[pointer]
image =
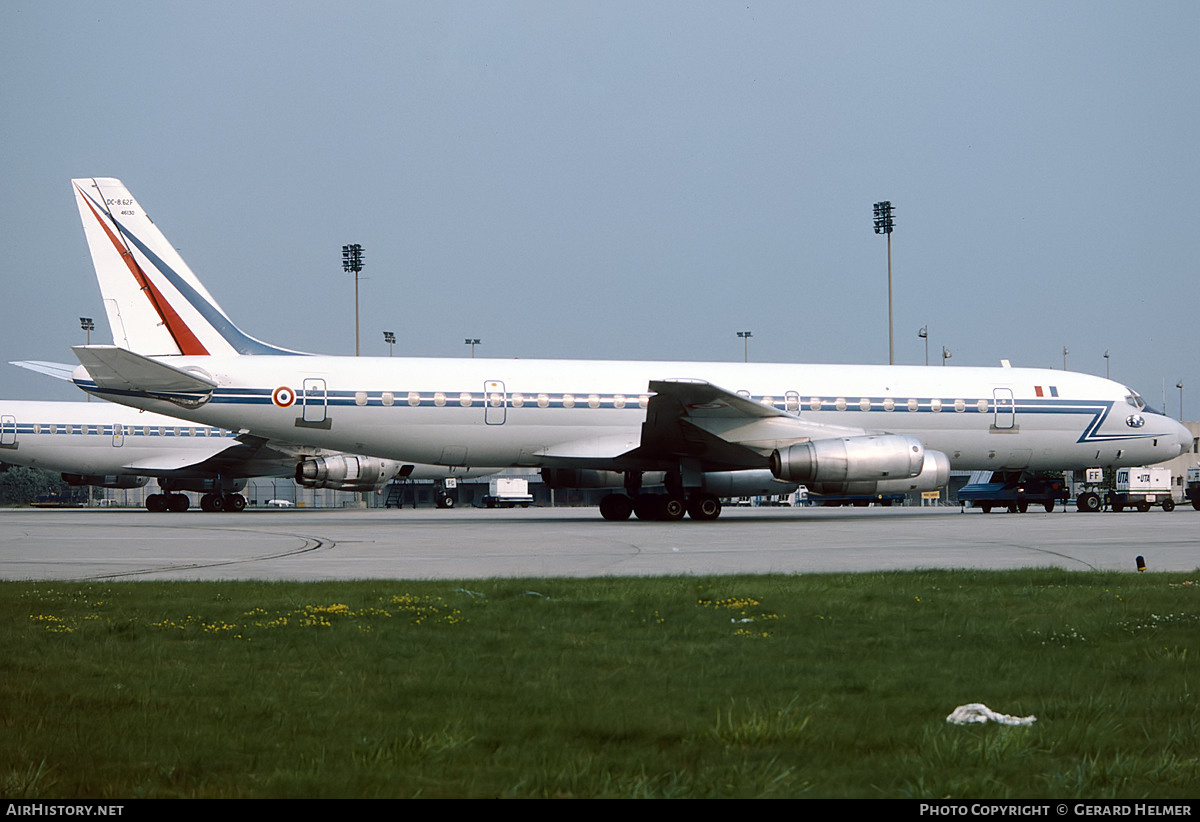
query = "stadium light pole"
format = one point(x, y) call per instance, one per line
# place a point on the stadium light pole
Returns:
point(1106, 374)
point(924, 334)
point(1179, 385)
point(389, 337)
point(472, 342)
point(884, 225)
point(746, 335)
point(1065, 353)
point(352, 261)
point(87, 325)
point(945, 354)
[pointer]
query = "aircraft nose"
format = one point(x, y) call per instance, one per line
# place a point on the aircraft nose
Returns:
point(1183, 437)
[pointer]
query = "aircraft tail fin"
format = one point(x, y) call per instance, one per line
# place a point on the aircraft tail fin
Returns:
point(155, 304)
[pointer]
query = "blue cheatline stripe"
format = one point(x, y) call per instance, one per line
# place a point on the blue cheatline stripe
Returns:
point(1099, 409)
point(92, 430)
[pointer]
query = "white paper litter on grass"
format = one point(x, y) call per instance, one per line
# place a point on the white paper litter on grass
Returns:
point(978, 712)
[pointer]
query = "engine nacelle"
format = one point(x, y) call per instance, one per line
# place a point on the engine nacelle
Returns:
point(106, 480)
point(591, 478)
point(935, 474)
point(875, 458)
point(752, 483)
point(346, 472)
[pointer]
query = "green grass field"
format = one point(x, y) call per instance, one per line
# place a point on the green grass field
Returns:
point(788, 686)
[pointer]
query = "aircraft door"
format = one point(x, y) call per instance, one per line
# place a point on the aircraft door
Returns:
point(8, 431)
point(118, 435)
point(315, 400)
point(495, 402)
point(1006, 409)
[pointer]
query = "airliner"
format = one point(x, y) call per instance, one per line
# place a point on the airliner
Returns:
point(112, 446)
point(697, 430)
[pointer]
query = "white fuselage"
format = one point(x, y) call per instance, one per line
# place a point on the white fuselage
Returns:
point(107, 439)
point(532, 412)
point(101, 438)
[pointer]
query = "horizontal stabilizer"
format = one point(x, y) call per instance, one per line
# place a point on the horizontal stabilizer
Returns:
point(116, 370)
point(58, 370)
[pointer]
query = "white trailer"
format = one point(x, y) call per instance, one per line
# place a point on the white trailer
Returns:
point(507, 492)
point(1142, 488)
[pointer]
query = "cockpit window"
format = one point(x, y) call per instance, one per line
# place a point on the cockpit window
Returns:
point(1134, 399)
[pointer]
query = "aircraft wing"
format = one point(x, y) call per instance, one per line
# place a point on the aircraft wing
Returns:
point(698, 420)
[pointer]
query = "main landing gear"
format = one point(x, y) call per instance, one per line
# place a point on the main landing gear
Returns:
point(176, 503)
point(661, 507)
point(223, 502)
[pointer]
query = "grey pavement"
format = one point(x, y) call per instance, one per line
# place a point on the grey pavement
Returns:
point(575, 542)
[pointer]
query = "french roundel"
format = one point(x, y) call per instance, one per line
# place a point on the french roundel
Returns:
point(283, 396)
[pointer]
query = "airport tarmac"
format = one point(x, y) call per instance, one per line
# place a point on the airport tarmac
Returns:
point(575, 542)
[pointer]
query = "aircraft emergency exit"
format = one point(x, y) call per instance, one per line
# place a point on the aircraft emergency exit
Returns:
point(704, 430)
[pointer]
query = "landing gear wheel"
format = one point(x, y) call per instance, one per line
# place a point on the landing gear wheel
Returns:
point(235, 502)
point(212, 502)
point(673, 509)
point(1088, 502)
point(177, 503)
point(156, 503)
point(704, 506)
point(616, 507)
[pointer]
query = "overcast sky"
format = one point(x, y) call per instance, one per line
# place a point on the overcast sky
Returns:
point(625, 180)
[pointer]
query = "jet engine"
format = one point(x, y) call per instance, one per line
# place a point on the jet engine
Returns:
point(106, 481)
point(346, 472)
point(869, 458)
point(935, 474)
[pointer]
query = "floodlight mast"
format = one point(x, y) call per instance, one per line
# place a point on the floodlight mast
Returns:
point(746, 335)
point(88, 325)
point(884, 225)
point(352, 261)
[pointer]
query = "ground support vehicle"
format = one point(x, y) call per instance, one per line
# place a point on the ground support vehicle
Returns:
point(1008, 489)
point(1192, 489)
point(507, 492)
point(1142, 488)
